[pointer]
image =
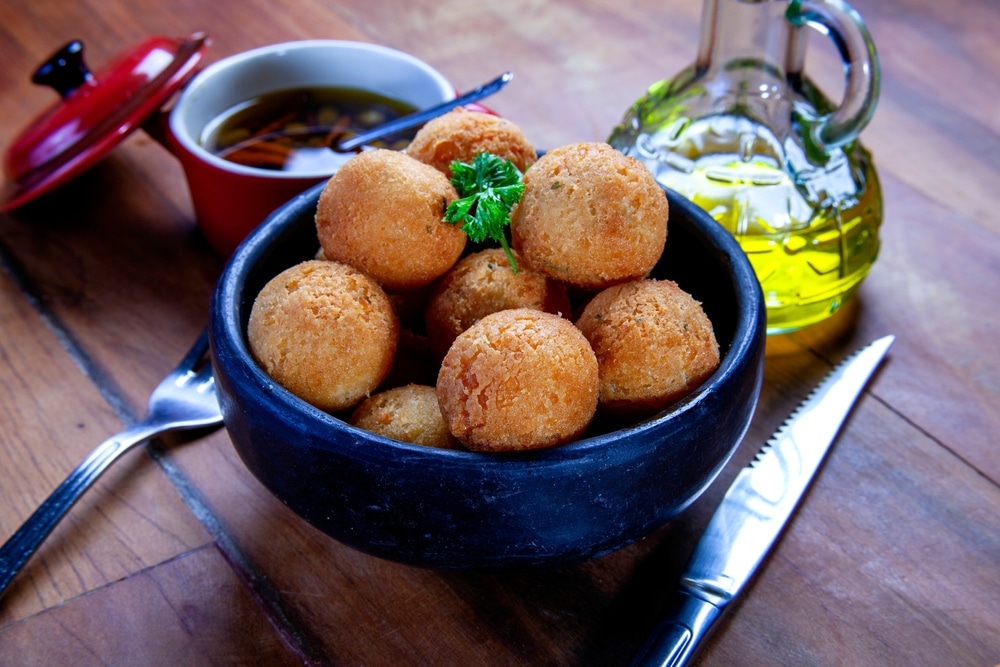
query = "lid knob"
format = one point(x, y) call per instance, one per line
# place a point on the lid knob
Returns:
point(65, 70)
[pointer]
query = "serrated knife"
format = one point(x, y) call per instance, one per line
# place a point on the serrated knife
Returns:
point(755, 509)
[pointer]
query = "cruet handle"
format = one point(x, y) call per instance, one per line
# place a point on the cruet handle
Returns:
point(844, 26)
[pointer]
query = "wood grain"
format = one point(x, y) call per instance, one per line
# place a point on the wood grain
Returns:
point(186, 559)
point(188, 611)
point(52, 417)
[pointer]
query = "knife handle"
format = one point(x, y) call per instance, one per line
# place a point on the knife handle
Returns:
point(676, 639)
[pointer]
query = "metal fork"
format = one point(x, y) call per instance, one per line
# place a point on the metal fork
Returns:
point(185, 399)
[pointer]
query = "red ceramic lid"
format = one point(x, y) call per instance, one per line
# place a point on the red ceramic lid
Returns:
point(96, 111)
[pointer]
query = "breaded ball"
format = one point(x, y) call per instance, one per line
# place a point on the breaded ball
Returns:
point(653, 342)
point(484, 283)
point(408, 414)
point(461, 135)
point(324, 331)
point(518, 379)
point(590, 217)
point(383, 213)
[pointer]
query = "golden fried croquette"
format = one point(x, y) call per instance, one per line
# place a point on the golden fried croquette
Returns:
point(409, 414)
point(484, 283)
point(382, 213)
point(654, 345)
point(518, 379)
point(461, 135)
point(324, 331)
point(590, 217)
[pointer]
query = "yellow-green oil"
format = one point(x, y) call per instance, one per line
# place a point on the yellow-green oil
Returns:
point(808, 262)
point(809, 229)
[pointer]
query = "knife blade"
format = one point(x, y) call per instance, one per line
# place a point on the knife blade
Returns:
point(755, 509)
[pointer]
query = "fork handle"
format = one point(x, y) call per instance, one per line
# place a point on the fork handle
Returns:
point(23, 543)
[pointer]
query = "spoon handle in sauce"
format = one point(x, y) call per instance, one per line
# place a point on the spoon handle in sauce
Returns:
point(420, 117)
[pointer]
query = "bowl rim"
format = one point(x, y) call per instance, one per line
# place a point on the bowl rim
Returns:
point(227, 303)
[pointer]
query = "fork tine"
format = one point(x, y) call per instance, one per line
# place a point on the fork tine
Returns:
point(204, 380)
point(196, 353)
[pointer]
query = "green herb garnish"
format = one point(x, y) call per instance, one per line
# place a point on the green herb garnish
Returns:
point(488, 189)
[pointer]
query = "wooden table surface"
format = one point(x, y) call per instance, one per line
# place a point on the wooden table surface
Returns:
point(179, 557)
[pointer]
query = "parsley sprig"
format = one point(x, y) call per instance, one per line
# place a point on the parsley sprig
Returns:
point(488, 189)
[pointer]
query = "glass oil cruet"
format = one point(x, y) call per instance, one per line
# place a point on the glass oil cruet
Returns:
point(744, 134)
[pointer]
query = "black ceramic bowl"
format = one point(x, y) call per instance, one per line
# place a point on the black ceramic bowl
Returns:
point(453, 509)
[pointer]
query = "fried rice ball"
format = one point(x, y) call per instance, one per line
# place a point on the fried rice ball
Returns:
point(324, 331)
point(461, 135)
point(382, 213)
point(484, 283)
point(518, 379)
point(653, 342)
point(409, 414)
point(590, 216)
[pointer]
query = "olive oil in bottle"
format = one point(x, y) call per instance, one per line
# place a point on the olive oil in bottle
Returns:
point(767, 156)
